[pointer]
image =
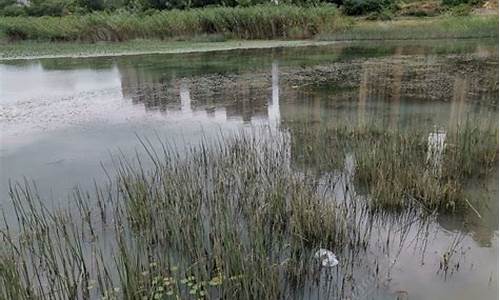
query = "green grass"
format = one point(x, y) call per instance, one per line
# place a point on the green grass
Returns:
point(256, 22)
point(226, 220)
point(419, 28)
point(39, 49)
point(217, 28)
point(393, 168)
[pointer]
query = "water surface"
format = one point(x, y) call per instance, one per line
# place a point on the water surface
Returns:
point(61, 120)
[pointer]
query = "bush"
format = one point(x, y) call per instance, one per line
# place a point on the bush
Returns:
point(426, 8)
point(13, 10)
point(54, 8)
point(384, 15)
point(460, 2)
point(361, 7)
point(461, 10)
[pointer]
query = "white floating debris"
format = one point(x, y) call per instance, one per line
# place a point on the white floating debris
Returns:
point(327, 258)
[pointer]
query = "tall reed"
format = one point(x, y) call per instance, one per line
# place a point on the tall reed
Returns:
point(256, 22)
point(236, 217)
point(226, 220)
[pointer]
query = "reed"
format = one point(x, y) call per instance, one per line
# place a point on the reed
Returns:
point(396, 167)
point(256, 22)
point(226, 220)
point(233, 218)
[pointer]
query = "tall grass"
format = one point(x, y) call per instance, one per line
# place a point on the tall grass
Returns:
point(228, 220)
point(435, 28)
point(234, 218)
point(256, 22)
point(398, 170)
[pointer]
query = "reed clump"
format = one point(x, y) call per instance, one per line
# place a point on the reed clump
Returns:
point(255, 22)
point(399, 169)
point(222, 220)
point(234, 218)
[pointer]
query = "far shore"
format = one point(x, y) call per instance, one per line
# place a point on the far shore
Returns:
point(46, 50)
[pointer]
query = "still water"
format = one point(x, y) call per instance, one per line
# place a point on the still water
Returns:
point(61, 121)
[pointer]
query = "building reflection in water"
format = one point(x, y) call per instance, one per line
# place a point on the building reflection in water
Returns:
point(273, 110)
point(185, 99)
point(405, 90)
point(237, 97)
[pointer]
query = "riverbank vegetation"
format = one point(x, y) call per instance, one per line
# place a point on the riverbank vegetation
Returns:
point(431, 28)
point(256, 22)
point(118, 21)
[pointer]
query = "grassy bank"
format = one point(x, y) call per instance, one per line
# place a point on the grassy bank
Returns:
point(256, 22)
point(419, 28)
point(37, 35)
point(34, 49)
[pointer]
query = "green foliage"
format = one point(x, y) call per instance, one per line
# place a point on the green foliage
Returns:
point(461, 10)
point(4, 3)
point(460, 2)
point(48, 7)
point(91, 4)
point(13, 10)
point(256, 22)
point(446, 27)
point(384, 15)
point(361, 7)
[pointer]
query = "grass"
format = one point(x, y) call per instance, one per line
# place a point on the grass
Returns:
point(217, 28)
point(37, 49)
point(172, 231)
point(232, 218)
point(256, 22)
point(419, 28)
point(396, 168)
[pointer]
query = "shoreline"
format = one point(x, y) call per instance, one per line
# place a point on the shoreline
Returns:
point(170, 48)
point(185, 47)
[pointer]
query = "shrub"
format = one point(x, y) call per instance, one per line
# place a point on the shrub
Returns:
point(461, 10)
point(427, 8)
point(361, 7)
point(384, 15)
point(459, 2)
point(13, 10)
point(48, 8)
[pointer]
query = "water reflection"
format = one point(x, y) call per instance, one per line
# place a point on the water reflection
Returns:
point(395, 86)
point(435, 148)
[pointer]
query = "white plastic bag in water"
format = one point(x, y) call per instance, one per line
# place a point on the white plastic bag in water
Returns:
point(327, 258)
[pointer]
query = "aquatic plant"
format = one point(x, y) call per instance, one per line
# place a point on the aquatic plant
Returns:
point(224, 220)
point(235, 217)
point(399, 169)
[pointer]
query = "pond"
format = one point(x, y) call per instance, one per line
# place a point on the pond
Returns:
point(64, 121)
